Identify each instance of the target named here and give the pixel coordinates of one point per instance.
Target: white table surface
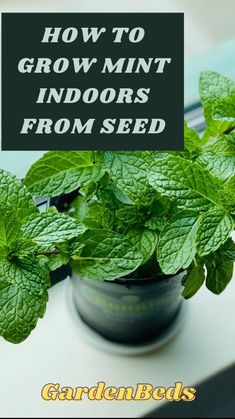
(55, 353)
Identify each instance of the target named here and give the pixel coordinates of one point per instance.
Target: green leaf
(160, 206)
(22, 248)
(78, 208)
(217, 96)
(108, 192)
(75, 247)
(98, 217)
(191, 139)
(56, 260)
(128, 170)
(128, 216)
(143, 239)
(19, 312)
(23, 297)
(48, 228)
(224, 110)
(10, 228)
(229, 187)
(227, 251)
(156, 217)
(155, 223)
(219, 274)
(193, 281)
(105, 256)
(120, 196)
(223, 118)
(214, 88)
(214, 229)
(59, 172)
(186, 183)
(219, 156)
(14, 194)
(177, 243)
(92, 215)
(26, 273)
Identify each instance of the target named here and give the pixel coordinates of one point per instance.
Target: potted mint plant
(149, 228)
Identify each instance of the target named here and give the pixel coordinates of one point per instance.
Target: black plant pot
(125, 310)
(128, 310)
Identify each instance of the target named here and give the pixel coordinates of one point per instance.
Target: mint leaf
(143, 239)
(227, 251)
(75, 247)
(14, 194)
(79, 208)
(48, 228)
(229, 188)
(19, 312)
(214, 230)
(128, 216)
(156, 218)
(160, 206)
(22, 248)
(223, 118)
(193, 281)
(23, 297)
(177, 243)
(219, 274)
(191, 139)
(217, 96)
(93, 216)
(120, 196)
(10, 228)
(59, 172)
(105, 256)
(57, 259)
(219, 156)
(225, 110)
(128, 171)
(155, 223)
(214, 88)
(98, 217)
(186, 183)
(26, 273)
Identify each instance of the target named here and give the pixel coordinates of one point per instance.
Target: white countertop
(55, 353)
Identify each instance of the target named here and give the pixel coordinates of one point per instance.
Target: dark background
(214, 399)
(21, 37)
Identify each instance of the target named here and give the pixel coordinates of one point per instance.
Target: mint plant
(136, 213)
(154, 213)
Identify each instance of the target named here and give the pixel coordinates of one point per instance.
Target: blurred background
(207, 23)
(209, 41)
